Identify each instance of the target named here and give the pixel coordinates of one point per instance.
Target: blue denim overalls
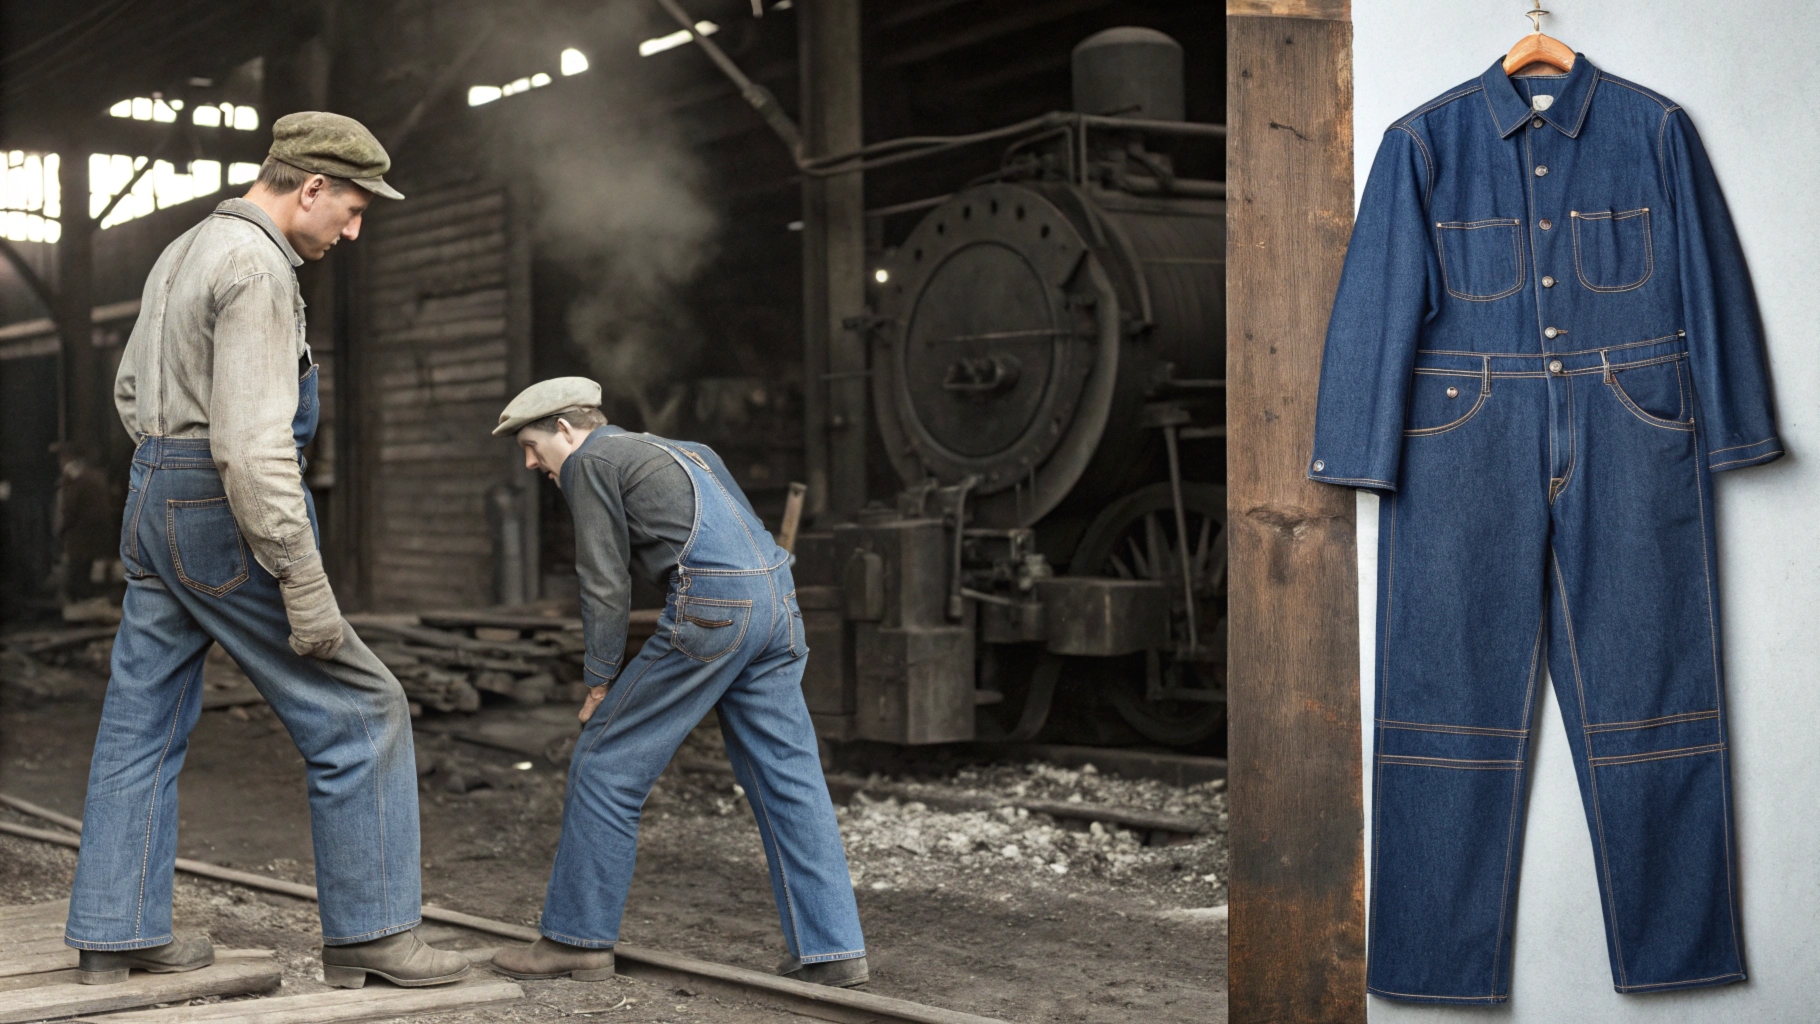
(190, 583)
(1543, 346)
(730, 638)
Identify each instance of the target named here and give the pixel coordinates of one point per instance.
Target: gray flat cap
(332, 144)
(547, 398)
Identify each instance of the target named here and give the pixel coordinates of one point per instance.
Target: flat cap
(341, 147)
(547, 398)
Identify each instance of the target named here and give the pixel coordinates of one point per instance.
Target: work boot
(834, 973)
(110, 966)
(401, 959)
(547, 958)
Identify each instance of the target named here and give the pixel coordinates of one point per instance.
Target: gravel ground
(998, 912)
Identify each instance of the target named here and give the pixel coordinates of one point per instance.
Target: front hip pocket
(206, 546)
(1481, 260)
(1655, 392)
(1612, 251)
(707, 628)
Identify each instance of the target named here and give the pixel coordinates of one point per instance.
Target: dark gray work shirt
(632, 502)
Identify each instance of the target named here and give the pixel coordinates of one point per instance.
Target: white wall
(1748, 76)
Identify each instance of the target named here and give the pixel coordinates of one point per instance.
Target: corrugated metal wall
(445, 345)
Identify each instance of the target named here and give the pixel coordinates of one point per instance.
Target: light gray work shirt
(217, 353)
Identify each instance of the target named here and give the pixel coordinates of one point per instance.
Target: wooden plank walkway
(38, 982)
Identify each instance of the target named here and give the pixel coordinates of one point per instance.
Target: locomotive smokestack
(1129, 72)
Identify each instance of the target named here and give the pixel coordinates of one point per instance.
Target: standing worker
(730, 638)
(218, 388)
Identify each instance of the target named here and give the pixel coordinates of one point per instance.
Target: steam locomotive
(1047, 355)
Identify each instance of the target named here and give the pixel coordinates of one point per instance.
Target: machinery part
(998, 351)
(1130, 72)
(1035, 714)
(1021, 326)
(957, 605)
(1178, 699)
(1097, 617)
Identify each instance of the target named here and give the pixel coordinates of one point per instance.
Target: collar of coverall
(246, 209)
(1571, 95)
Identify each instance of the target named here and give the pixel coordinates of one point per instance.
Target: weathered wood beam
(1297, 929)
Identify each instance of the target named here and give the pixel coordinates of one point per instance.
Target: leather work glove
(596, 694)
(309, 604)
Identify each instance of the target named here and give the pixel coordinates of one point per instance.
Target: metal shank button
(1554, 366)
(1546, 223)
(1541, 170)
(1319, 465)
(1548, 282)
(1453, 392)
(1550, 332)
(1537, 123)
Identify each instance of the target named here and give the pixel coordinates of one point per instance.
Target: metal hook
(1535, 16)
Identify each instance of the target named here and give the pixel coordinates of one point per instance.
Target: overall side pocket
(1653, 392)
(206, 547)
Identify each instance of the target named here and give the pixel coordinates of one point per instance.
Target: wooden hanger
(1537, 48)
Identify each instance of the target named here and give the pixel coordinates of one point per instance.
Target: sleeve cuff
(1740, 456)
(598, 672)
(1320, 474)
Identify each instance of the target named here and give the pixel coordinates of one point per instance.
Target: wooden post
(835, 414)
(83, 426)
(1297, 928)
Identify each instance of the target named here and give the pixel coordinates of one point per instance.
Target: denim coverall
(1543, 345)
(191, 582)
(730, 638)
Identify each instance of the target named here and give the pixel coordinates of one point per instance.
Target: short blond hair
(277, 176)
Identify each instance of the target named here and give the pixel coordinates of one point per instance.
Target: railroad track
(27, 953)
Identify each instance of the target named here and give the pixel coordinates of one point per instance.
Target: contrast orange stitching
(1651, 723)
(1654, 755)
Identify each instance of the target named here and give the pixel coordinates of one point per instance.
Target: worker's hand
(309, 604)
(596, 694)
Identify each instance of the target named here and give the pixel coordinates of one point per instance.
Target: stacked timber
(447, 660)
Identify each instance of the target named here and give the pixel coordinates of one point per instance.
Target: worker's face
(325, 216)
(546, 451)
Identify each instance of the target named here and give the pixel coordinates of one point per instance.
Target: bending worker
(730, 638)
(218, 388)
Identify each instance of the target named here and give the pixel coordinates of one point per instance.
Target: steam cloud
(623, 202)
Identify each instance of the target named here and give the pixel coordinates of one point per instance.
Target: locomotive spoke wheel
(1136, 538)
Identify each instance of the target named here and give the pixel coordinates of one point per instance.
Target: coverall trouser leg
(1552, 506)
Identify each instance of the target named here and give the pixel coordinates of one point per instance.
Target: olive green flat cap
(341, 147)
(547, 398)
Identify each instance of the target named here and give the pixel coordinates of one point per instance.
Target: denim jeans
(1561, 505)
(191, 582)
(730, 638)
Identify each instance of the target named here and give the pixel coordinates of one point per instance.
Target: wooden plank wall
(439, 358)
(1297, 925)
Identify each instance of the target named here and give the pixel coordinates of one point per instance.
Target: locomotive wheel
(1135, 538)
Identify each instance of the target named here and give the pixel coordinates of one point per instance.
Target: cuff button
(1319, 465)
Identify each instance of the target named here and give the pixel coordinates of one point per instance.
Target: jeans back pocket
(206, 547)
(1481, 260)
(707, 628)
(1613, 252)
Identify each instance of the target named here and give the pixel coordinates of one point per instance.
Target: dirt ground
(1001, 913)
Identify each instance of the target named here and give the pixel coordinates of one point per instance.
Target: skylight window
(572, 62)
(30, 201)
(154, 108)
(158, 188)
(675, 39)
